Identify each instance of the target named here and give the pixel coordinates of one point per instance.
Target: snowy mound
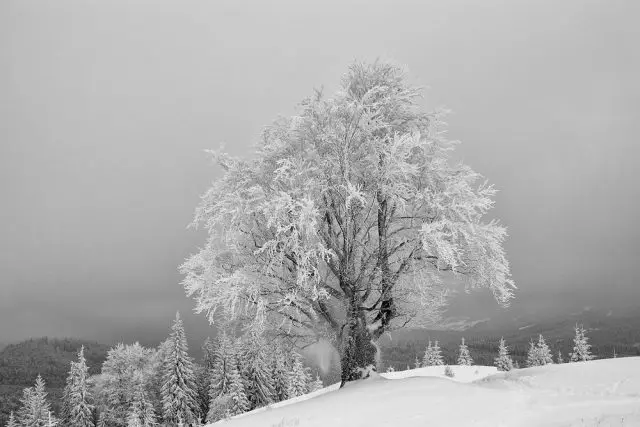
(597, 393)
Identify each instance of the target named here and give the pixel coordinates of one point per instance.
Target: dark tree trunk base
(358, 352)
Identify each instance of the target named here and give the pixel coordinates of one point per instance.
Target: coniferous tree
(239, 402)
(581, 347)
(35, 407)
(77, 411)
(259, 386)
(532, 355)
(299, 378)
(12, 421)
(178, 388)
(464, 358)
(559, 358)
(539, 353)
(280, 374)
(437, 355)
(224, 360)
(203, 382)
(503, 362)
(317, 384)
(141, 412)
(427, 359)
(416, 364)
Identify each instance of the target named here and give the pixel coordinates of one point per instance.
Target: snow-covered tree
(416, 364)
(141, 412)
(539, 354)
(343, 222)
(559, 358)
(581, 347)
(114, 387)
(203, 384)
(299, 378)
(464, 358)
(448, 372)
(238, 398)
(432, 355)
(279, 373)
(427, 358)
(225, 360)
(77, 411)
(317, 384)
(254, 362)
(178, 388)
(12, 421)
(437, 355)
(503, 362)
(35, 408)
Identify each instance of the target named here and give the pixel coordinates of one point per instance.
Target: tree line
(141, 387)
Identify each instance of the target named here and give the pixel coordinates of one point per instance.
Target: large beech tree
(344, 221)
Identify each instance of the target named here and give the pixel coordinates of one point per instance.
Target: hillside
(21, 363)
(588, 394)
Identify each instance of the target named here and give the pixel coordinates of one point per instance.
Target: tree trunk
(359, 354)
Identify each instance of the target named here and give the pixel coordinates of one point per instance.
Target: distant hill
(21, 363)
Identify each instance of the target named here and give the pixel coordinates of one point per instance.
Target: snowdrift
(597, 393)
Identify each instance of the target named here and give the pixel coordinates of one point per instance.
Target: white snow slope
(597, 393)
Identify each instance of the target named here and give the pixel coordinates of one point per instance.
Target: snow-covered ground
(598, 393)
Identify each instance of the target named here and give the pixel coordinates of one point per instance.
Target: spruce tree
(12, 421)
(35, 407)
(532, 355)
(178, 388)
(544, 353)
(299, 378)
(559, 358)
(254, 360)
(437, 355)
(503, 362)
(239, 402)
(427, 359)
(141, 412)
(317, 384)
(416, 364)
(581, 347)
(224, 360)
(76, 407)
(464, 358)
(280, 374)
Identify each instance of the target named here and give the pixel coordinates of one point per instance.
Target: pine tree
(224, 360)
(259, 386)
(299, 378)
(437, 355)
(280, 374)
(12, 421)
(416, 364)
(76, 407)
(559, 358)
(239, 401)
(141, 412)
(581, 347)
(178, 390)
(317, 384)
(35, 407)
(539, 353)
(503, 362)
(427, 359)
(464, 358)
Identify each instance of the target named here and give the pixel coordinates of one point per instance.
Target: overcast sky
(106, 107)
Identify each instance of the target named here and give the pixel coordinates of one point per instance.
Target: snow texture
(596, 393)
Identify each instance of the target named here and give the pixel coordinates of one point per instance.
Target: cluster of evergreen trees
(143, 387)
(539, 353)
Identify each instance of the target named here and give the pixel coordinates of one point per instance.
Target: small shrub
(448, 371)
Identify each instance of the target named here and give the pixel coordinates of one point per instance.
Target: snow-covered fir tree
(178, 388)
(416, 364)
(203, 383)
(279, 373)
(559, 358)
(448, 372)
(12, 421)
(238, 398)
(427, 358)
(141, 412)
(35, 408)
(581, 347)
(254, 362)
(503, 362)
(77, 410)
(299, 378)
(283, 224)
(437, 355)
(539, 353)
(464, 358)
(224, 361)
(317, 384)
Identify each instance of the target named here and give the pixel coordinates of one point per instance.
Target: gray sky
(105, 108)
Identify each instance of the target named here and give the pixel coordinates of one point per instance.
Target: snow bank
(597, 393)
